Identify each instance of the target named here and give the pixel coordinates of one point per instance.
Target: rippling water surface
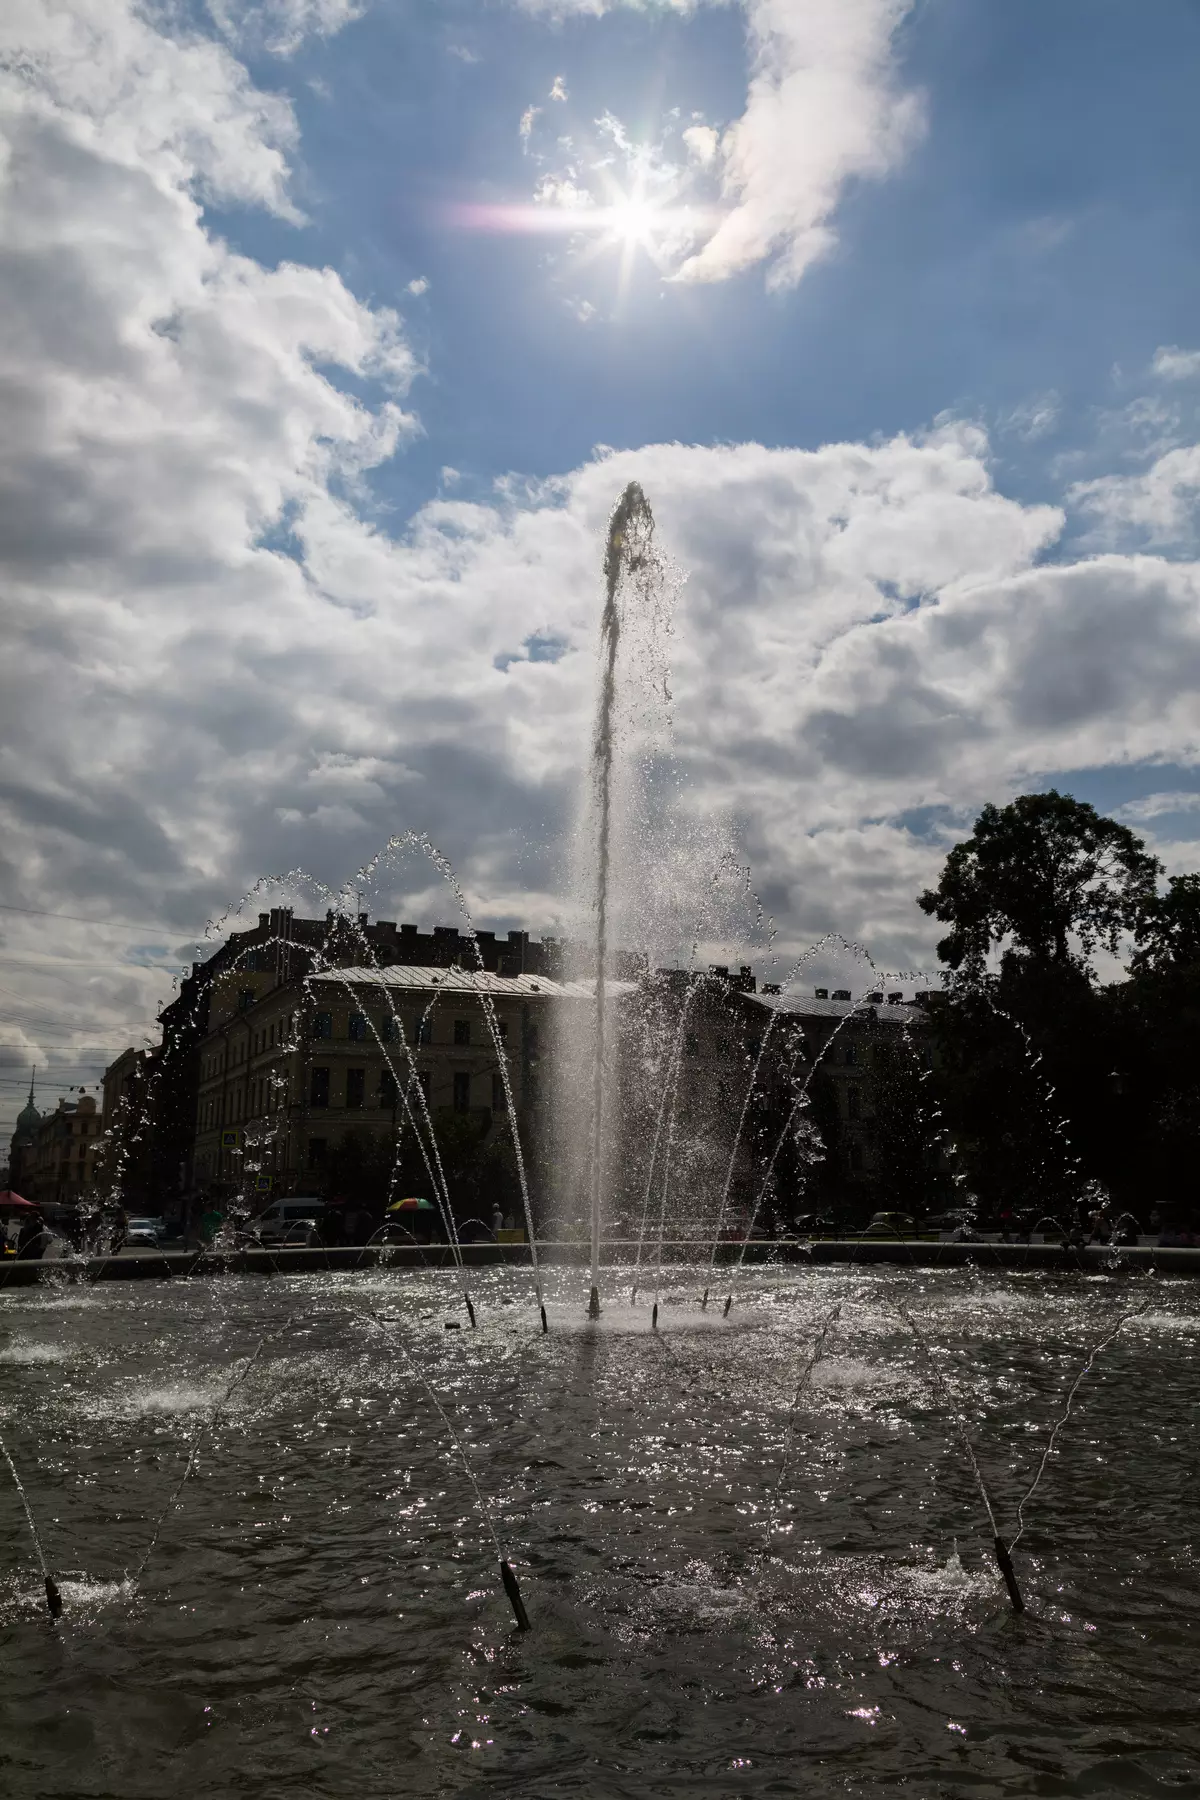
(730, 1594)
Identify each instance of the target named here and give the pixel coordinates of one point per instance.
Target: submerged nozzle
(704, 1302)
(728, 1304)
(594, 1304)
(470, 1311)
(1004, 1564)
(53, 1598)
(545, 1326)
(654, 1317)
(514, 1596)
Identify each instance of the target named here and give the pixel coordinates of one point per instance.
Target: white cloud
(281, 26)
(525, 128)
(1157, 806)
(1173, 364)
(1034, 418)
(1157, 506)
(702, 142)
(217, 666)
(559, 90)
(418, 286)
(823, 108)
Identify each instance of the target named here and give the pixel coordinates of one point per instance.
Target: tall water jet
(627, 550)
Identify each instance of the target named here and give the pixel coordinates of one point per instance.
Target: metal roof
(418, 978)
(893, 1012)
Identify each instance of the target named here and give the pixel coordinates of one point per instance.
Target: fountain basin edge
(188, 1264)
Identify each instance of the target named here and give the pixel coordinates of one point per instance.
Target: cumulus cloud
(1158, 505)
(822, 108)
(1173, 364)
(219, 665)
(702, 143)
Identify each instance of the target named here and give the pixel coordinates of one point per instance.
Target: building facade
(280, 949)
(65, 1154)
(289, 1067)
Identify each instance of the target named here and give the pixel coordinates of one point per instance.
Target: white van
(287, 1219)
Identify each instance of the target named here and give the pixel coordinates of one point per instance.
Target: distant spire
(32, 1073)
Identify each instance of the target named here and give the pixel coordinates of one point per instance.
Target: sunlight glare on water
(732, 1590)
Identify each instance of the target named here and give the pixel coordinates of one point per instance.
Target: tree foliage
(1049, 1080)
(1044, 874)
(1168, 929)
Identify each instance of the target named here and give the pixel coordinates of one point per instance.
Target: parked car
(891, 1225)
(300, 1233)
(814, 1225)
(144, 1233)
(273, 1225)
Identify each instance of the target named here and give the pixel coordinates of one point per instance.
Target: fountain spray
(53, 1597)
(629, 531)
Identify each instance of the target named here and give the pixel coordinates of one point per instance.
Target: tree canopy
(1045, 873)
(1168, 930)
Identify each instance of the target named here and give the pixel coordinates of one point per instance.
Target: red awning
(15, 1202)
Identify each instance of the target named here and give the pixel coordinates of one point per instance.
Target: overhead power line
(40, 912)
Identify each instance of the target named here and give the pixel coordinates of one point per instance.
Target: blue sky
(1040, 239)
(303, 470)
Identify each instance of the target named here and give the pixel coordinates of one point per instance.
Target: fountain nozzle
(53, 1598)
(514, 1595)
(1004, 1564)
(545, 1326)
(594, 1304)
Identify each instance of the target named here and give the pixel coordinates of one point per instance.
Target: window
(856, 1156)
(323, 1025)
(850, 1057)
(358, 1028)
(318, 1093)
(245, 998)
(462, 1031)
(498, 1095)
(390, 1033)
(424, 1082)
(424, 1031)
(853, 1101)
(272, 1031)
(389, 1094)
(462, 1091)
(316, 1149)
(356, 1086)
(502, 1027)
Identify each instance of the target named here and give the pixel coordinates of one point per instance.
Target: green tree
(1168, 929)
(1038, 875)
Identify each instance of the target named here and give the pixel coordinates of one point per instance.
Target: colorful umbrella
(411, 1205)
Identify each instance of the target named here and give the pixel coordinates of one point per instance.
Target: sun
(632, 220)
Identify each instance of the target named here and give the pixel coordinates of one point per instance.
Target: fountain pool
(730, 1595)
